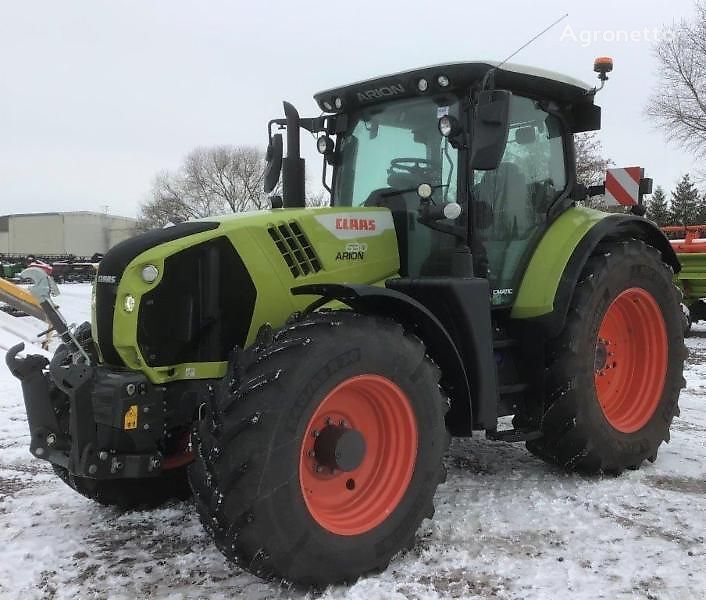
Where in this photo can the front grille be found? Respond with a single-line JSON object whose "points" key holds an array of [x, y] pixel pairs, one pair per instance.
{"points": [[111, 269], [295, 248], [201, 308]]}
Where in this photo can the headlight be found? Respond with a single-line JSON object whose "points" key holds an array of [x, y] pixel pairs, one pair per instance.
{"points": [[129, 303], [452, 210], [324, 144], [442, 80], [424, 191], [422, 85], [150, 274], [449, 126]]}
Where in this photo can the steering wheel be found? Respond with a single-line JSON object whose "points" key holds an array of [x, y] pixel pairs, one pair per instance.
{"points": [[410, 172], [411, 166]]}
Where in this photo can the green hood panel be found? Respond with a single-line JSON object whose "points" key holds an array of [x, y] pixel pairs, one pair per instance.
{"points": [[281, 249], [548, 263]]}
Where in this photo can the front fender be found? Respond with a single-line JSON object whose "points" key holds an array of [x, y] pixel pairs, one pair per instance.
{"points": [[386, 302], [556, 265]]}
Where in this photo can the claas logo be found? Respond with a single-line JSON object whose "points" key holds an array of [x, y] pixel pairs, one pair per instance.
{"points": [[352, 224]]}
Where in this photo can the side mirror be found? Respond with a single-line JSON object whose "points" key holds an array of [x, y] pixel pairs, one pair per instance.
{"points": [[490, 129], [273, 156]]}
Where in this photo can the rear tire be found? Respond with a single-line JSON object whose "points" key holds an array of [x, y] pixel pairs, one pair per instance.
{"points": [[686, 320], [264, 485], [615, 371]]}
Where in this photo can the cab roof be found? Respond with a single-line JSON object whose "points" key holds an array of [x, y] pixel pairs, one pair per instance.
{"points": [[517, 78]]}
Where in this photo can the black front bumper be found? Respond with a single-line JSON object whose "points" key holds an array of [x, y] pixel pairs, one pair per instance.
{"points": [[93, 421]]}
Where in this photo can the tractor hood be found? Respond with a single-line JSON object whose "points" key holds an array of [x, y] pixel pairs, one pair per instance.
{"points": [[174, 302]]}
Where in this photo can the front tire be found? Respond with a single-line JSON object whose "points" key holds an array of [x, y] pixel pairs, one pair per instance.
{"points": [[320, 453], [615, 371]]}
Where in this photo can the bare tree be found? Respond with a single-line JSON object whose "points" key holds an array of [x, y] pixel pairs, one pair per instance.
{"points": [[233, 175], [211, 181], [678, 103], [591, 165], [318, 198], [170, 202]]}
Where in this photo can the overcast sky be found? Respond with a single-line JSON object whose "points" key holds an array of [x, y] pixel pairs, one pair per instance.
{"points": [[97, 96]]}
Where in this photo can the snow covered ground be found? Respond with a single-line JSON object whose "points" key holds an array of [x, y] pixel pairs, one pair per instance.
{"points": [[506, 525]]}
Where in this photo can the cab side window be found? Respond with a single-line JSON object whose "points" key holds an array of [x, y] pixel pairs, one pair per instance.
{"points": [[517, 194]]}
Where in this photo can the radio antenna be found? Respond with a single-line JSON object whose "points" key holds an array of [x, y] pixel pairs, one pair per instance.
{"points": [[490, 71]]}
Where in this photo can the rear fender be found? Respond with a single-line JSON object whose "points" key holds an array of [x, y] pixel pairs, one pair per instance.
{"points": [[556, 265]]}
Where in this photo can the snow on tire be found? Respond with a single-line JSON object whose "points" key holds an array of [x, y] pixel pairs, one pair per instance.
{"points": [[299, 474], [615, 371]]}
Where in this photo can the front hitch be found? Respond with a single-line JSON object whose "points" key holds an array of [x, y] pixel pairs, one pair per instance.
{"points": [[22, 368], [46, 442], [110, 415]]}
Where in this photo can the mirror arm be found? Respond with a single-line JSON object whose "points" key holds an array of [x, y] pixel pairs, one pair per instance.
{"points": [[313, 125], [596, 190], [323, 175], [281, 123], [454, 230]]}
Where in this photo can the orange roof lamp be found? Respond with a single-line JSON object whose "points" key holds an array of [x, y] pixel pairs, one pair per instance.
{"points": [[603, 65]]}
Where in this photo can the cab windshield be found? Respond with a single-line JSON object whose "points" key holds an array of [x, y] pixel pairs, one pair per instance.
{"points": [[392, 148]]}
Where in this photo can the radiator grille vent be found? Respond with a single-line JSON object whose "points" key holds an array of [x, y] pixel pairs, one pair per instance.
{"points": [[295, 249]]}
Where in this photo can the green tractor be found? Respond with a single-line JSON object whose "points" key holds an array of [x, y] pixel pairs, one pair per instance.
{"points": [[303, 369]]}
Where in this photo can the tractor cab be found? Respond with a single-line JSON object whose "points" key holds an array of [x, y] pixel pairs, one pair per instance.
{"points": [[472, 159]]}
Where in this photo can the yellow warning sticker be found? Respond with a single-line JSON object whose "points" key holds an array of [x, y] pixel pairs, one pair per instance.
{"points": [[130, 421]]}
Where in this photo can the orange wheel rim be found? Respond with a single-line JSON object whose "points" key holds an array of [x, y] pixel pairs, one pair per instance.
{"points": [[181, 457], [630, 365], [358, 455]]}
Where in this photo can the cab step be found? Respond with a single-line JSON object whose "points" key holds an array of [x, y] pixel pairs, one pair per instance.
{"points": [[515, 388], [505, 343], [513, 435]]}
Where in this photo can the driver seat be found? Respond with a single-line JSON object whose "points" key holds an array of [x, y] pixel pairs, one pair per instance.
{"points": [[505, 191]]}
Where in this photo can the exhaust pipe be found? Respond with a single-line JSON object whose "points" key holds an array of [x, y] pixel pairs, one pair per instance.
{"points": [[293, 164]]}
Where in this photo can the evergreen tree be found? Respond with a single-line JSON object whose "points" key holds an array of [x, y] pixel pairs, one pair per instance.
{"points": [[657, 209], [684, 208], [701, 211]]}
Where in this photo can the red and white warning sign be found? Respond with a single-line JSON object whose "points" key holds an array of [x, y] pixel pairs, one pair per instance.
{"points": [[622, 186]]}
